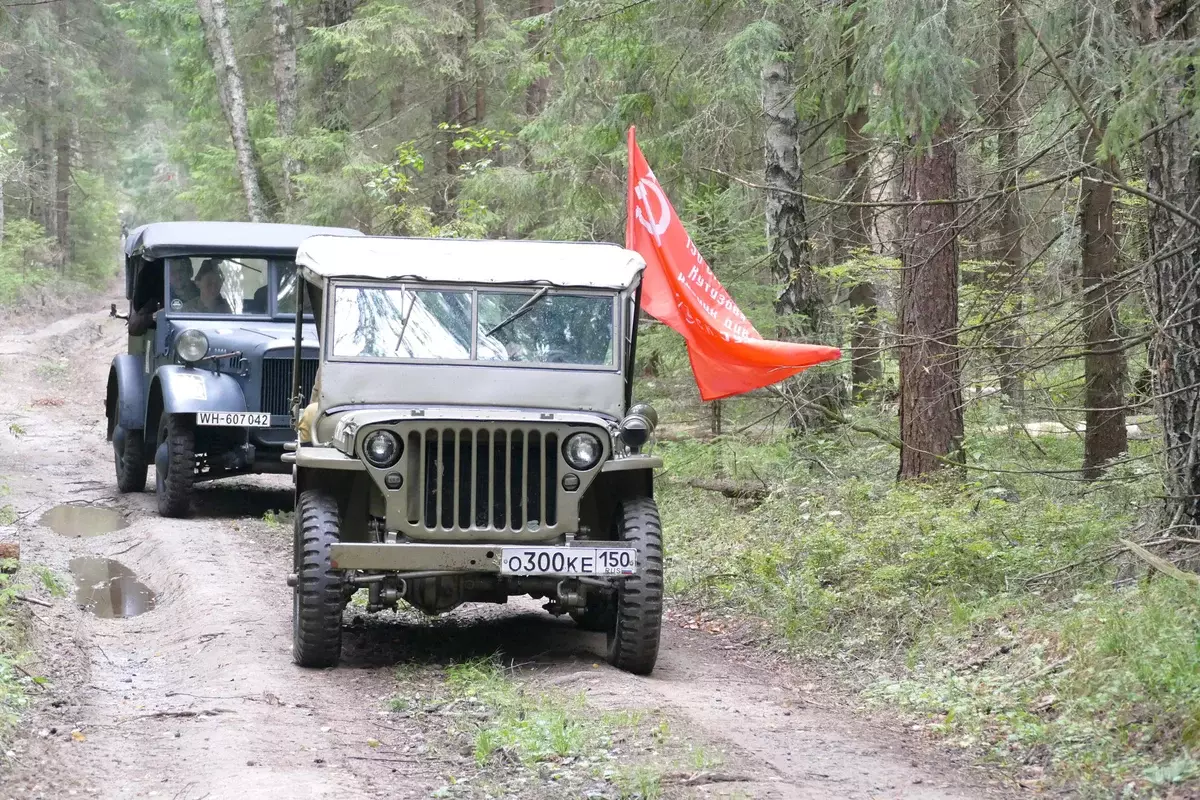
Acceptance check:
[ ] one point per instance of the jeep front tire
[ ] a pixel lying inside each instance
(175, 465)
(319, 598)
(634, 634)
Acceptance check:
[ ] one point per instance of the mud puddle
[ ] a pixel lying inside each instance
(80, 521)
(109, 589)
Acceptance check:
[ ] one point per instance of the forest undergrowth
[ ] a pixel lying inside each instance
(996, 604)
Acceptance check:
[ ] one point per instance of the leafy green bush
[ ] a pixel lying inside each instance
(26, 256)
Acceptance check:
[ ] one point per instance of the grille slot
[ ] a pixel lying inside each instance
(277, 383)
(501, 479)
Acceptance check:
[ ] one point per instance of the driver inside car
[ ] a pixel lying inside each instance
(182, 288)
(210, 281)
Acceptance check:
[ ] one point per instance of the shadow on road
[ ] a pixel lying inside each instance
(522, 636)
(222, 500)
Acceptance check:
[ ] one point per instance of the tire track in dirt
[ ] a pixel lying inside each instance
(199, 697)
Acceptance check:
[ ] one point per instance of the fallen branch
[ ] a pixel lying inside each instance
(704, 778)
(734, 490)
(1161, 564)
(34, 601)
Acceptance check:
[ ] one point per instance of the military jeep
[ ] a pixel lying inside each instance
(203, 391)
(471, 437)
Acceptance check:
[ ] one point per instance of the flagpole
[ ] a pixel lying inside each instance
(637, 295)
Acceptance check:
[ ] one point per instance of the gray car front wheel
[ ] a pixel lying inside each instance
(175, 465)
(634, 635)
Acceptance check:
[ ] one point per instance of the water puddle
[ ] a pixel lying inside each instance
(80, 521)
(109, 589)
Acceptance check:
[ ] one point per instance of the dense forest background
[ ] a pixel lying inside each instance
(992, 205)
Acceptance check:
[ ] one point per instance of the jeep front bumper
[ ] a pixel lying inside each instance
(409, 557)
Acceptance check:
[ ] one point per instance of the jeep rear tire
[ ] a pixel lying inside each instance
(129, 458)
(175, 465)
(634, 634)
(319, 598)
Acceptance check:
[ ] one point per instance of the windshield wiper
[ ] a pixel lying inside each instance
(520, 312)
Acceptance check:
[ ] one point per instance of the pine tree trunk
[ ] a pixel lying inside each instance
(1008, 256)
(1173, 173)
(931, 417)
(1104, 360)
(851, 235)
(62, 189)
(1, 210)
(539, 90)
(480, 93)
(333, 71)
(231, 92)
(799, 304)
(284, 41)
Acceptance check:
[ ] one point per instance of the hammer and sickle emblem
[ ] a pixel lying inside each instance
(656, 226)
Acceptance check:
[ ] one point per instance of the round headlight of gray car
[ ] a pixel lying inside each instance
(192, 345)
(382, 449)
(582, 450)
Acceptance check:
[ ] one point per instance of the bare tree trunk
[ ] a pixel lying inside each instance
(851, 234)
(1, 210)
(62, 147)
(333, 71)
(799, 304)
(1104, 360)
(1008, 256)
(480, 93)
(1173, 173)
(538, 91)
(285, 87)
(219, 40)
(62, 189)
(931, 417)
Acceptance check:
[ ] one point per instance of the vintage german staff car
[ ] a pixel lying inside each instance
(203, 391)
(471, 437)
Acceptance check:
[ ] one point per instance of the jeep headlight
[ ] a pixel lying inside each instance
(637, 426)
(192, 345)
(382, 449)
(582, 450)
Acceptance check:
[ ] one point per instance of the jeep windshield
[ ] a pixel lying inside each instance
(525, 326)
(231, 285)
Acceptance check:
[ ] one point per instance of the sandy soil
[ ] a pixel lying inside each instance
(198, 697)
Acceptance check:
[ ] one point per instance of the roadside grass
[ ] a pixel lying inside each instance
(517, 739)
(14, 683)
(995, 602)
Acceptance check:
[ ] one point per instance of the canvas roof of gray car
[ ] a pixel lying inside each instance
(501, 261)
(161, 239)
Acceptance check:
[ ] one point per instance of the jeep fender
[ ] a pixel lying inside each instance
(177, 389)
(125, 396)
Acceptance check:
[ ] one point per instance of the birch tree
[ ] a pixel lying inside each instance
(232, 94)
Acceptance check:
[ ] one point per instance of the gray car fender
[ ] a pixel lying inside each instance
(186, 390)
(125, 396)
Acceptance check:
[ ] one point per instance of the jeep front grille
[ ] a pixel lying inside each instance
(502, 478)
(277, 383)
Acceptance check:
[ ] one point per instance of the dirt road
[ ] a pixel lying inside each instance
(197, 696)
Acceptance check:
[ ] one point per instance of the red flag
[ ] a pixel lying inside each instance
(728, 356)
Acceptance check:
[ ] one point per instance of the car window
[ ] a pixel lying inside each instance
(544, 327)
(401, 323)
(289, 285)
(217, 285)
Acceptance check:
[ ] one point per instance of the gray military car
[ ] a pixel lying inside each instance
(471, 436)
(203, 389)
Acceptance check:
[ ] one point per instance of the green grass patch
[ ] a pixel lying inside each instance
(993, 601)
(14, 683)
(533, 741)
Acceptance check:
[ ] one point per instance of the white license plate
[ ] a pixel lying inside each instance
(234, 419)
(568, 561)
